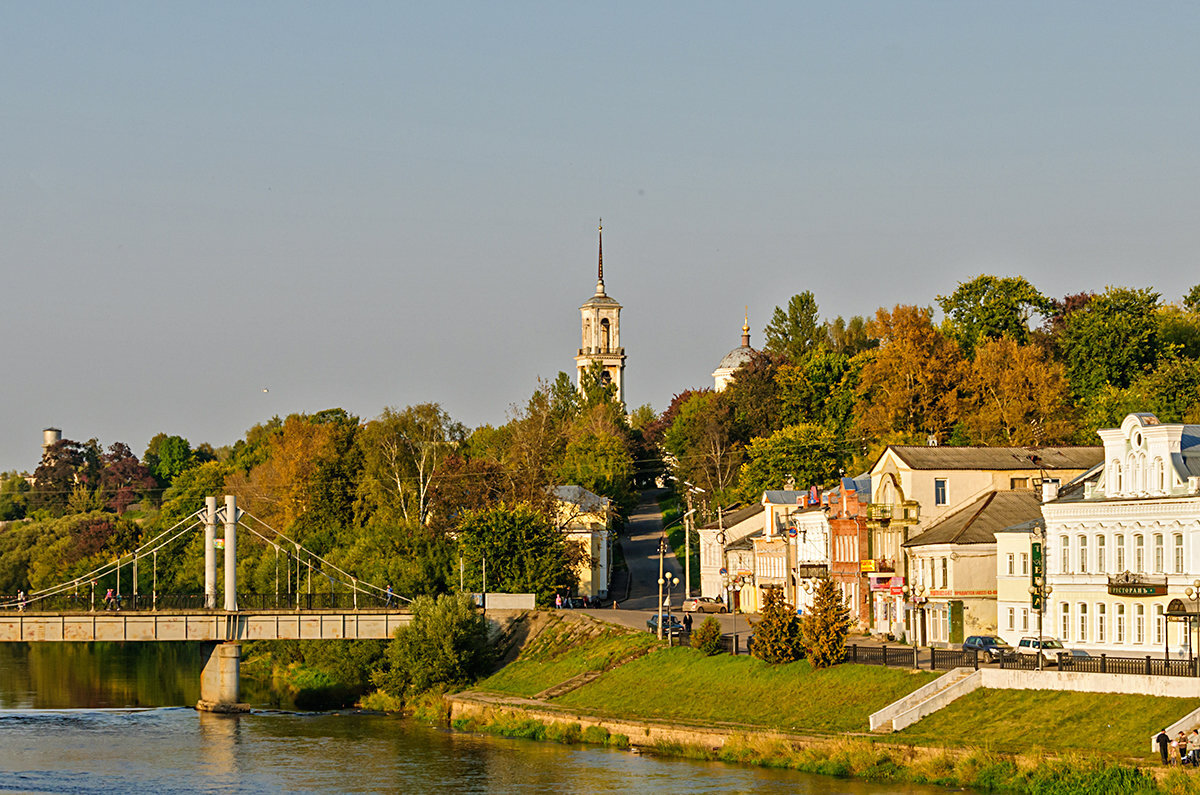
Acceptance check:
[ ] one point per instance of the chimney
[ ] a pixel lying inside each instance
(1049, 489)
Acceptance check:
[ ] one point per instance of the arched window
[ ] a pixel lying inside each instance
(1083, 622)
(1115, 485)
(1158, 480)
(604, 335)
(587, 334)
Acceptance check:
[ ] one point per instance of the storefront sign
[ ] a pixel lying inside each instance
(1137, 589)
(866, 565)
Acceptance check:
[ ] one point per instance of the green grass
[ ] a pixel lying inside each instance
(672, 510)
(1018, 720)
(683, 684)
(563, 651)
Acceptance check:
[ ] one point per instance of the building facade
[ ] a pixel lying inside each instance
(850, 558)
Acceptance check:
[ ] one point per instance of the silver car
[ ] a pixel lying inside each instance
(704, 604)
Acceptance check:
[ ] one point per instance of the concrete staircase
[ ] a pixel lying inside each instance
(925, 700)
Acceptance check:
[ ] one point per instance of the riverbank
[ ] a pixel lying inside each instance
(582, 680)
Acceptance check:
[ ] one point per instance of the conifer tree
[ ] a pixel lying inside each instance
(777, 633)
(824, 629)
(708, 637)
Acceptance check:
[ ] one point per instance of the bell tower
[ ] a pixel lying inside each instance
(600, 320)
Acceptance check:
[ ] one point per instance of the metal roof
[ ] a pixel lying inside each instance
(998, 458)
(736, 517)
(978, 522)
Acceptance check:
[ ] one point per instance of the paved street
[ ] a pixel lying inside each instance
(640, 544)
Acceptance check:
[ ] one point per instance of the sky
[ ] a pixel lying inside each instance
(214, 213)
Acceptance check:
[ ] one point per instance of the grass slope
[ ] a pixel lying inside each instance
(1019, 720)
(565, 649)
(683, 684)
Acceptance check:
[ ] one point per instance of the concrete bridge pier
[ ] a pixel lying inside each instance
(220, 687)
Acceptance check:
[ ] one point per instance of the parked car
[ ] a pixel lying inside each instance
(992, 647)
(575, 602)
(1049, 648)
(704, 604)
(670, 625)
(1072, 655)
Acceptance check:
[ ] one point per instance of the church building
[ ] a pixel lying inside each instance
(601, 327)
(735, 359)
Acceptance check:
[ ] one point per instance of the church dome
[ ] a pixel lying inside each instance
(735, 359)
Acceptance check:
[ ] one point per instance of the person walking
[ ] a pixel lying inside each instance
(21, 601)
(1193, 747)
(687, 622)
(390, 595)
(1164, 741)
(108, 599)
(1181, 748)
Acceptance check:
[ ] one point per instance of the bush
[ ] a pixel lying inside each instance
(707, 639)
(446, 645)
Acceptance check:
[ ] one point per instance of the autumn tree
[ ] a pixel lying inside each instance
(402, 451)
(990, 307)
(909, 384)
(1016, 395)
(702, 442)
(804, 454)
(1191, 301)
(123, 478)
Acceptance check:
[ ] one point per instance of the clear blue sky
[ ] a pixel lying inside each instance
(372, 204)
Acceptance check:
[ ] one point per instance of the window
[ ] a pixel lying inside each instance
(1012, 565)
(1018, 483)
(1139, 624)
(1012, 618)
(1160, 622)
(1100, 552)
(939, 491)
(945, 572)
(1139, 553)
(1024, 562)
(1024, 619)
(1120, 623)
(1065, 610)
(1159, 554)
(1083, 623)
(1177, 543)
(1101, 618)
(1158, 481)
(1083, 555)
(1065, 545)
(1120, 542)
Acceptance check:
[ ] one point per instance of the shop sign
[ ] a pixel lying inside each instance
(1137, 589)
(866, 565)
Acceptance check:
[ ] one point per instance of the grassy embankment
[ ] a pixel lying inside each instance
(989, 740)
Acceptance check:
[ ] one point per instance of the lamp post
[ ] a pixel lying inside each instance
(916, 595)
(687, 539)
(670, 581)
(1039, 592)
(1193, 595)
(662, 550)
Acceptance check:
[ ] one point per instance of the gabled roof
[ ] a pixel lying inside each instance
(997, 458)
(978, 522)
(578, 495)
(784, 496)
(736, 517)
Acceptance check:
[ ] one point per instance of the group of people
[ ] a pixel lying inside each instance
(1183, 750)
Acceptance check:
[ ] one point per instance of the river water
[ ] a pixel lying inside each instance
(80, 718)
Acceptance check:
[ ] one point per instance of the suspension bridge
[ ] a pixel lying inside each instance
(341, 607)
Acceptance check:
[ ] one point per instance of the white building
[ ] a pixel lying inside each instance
(1124, 542)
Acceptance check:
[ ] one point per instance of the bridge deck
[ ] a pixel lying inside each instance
(202, 625)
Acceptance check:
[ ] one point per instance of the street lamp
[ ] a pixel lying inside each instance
(1193, 595)
(1039, 592)
(916, 595)
(670, 581)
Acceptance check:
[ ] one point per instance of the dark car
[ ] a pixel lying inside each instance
(995, 648)
(575, 602)
(670, 625)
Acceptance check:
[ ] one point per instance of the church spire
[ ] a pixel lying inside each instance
(600, 265)
(746, 330)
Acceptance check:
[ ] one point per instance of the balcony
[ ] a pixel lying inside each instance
(905, 513)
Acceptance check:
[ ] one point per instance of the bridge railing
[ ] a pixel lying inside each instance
(83, 602)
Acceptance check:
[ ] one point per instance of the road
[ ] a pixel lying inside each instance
(640, 545)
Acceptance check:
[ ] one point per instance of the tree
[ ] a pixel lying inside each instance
(987, 308)
(909, 384)
(701, 440)
(707, 639)
(525, 553)
(754, 396)
(14, 496)
(444, 646)
(777, 633)
(805, 454)
(167, 457)
(796, 331)
(601, 464)
(1191, 301)
(848, 337)
(824, 628)
(1015, 395)
(402, 451)
(1111, 340)
(123, 478)
(596, 386)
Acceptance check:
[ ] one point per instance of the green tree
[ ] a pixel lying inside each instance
(824, 628)
(753, 395)
(1191, 301)
(14, 496)
(805, 454)
(988, 307)
(794, 332)
(402, 451)
(849, 337)
(702, 442)
(707, 639)
(445, 646)
(167, 457)
(1111, 340)
(523, 550)
(596, 386)
(777, 633)
(600, 463)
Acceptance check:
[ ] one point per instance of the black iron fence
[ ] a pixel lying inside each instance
(893, 656)
(1145, 666)
(143, 602)
(945, 659)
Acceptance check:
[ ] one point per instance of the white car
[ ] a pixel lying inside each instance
(1049, 648)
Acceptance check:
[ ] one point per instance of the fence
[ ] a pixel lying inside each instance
(894, 656)
(84, 602)
(1146, 666)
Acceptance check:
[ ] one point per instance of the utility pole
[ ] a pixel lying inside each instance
(687, 549)
(662, 548)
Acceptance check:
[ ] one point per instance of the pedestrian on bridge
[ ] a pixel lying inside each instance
(21, 601)
(109, 601)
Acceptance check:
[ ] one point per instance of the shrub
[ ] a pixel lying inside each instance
(707, 639)
(445, 645)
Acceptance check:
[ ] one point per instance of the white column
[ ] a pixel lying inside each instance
(231, 517)
(210, 554)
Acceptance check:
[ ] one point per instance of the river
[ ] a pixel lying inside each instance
(80, 718)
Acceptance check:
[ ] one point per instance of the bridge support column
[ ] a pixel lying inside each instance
(210, 553)
(220, 687)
